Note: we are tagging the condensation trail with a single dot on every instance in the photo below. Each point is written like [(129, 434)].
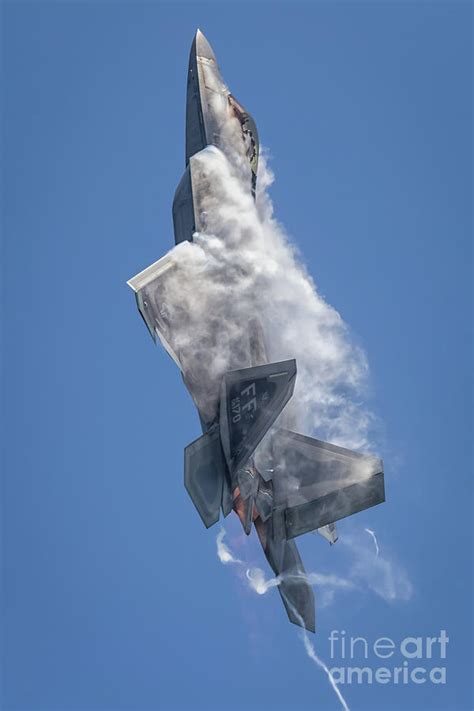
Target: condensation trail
[(311, 652), (224, 553), (260, 585), (372, 533)]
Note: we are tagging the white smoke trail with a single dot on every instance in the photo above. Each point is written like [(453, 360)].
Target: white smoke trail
[(224, 553), (311, 652), (374, 537), (261, 585), (382, 573)]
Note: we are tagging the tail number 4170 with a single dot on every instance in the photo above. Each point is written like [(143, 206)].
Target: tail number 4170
[(245, 403)]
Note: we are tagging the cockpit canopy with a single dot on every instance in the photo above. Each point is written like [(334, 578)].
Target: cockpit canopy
[(249, 134)]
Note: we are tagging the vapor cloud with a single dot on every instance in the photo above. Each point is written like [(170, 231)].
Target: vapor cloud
[(374, 537), (260, 584), (241, 275), (224, 553), (382, 573)]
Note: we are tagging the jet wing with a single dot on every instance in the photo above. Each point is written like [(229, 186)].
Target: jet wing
[(150, 293)]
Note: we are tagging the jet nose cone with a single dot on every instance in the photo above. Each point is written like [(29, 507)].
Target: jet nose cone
[(201, 47)]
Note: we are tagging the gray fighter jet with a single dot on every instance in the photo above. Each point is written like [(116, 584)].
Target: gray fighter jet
[(285, 483)]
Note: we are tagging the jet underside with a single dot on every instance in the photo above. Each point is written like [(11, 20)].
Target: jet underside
[(284, 483)]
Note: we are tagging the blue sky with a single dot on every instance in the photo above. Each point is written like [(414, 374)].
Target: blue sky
[(113, 597)]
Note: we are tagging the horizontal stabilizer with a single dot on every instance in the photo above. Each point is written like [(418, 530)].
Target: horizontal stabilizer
[(316, 483), (205, 477), (251, 400)]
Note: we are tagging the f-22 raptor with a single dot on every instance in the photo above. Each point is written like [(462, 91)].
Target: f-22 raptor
[(285, 483)]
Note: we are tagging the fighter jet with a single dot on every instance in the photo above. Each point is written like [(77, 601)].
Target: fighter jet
[(284, 483)]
